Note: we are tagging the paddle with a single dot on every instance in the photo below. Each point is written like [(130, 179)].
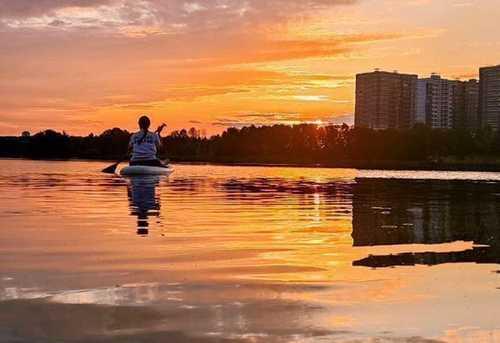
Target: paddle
[(112, 168)]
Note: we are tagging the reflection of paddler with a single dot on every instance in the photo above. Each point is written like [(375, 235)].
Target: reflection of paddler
[(143, 200)]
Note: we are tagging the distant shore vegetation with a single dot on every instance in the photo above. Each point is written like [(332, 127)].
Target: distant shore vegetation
[(307, 144)]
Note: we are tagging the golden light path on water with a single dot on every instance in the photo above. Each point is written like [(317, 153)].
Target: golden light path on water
[(250, 254)]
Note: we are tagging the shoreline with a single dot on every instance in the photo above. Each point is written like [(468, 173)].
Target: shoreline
[(360, 165)]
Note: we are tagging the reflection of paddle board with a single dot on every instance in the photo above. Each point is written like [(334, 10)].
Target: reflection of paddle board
[(145, 170)]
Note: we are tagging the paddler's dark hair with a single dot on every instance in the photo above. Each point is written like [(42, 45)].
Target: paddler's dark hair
[(144, 123)]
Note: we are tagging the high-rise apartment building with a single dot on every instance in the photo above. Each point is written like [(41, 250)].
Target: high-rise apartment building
[(466, 105), (447, 104), (385, 100), (392, 100), (489, 97), (436, 98), (421, 102)]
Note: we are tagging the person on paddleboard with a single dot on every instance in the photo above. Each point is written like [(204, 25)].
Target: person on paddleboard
[(144, 145)]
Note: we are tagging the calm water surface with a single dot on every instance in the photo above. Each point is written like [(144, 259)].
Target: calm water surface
[(247, 254)]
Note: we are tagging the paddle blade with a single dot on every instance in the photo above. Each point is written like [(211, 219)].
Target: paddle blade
[(111, 169)]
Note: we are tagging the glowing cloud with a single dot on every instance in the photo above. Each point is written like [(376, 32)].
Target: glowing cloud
[(86, 65)]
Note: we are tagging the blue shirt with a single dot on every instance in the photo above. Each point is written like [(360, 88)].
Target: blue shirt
[(144, 149)]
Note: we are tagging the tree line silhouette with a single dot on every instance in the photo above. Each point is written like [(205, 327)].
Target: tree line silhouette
[(305, 144)]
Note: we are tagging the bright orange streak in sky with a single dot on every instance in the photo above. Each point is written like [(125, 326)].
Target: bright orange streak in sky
[(212, 64)]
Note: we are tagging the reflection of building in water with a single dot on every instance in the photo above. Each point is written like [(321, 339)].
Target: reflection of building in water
[(143, 200), (387, 212)]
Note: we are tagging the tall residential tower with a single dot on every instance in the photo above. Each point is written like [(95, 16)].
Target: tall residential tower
[(385, 100), (447, 104), (435, 102), (489, 96), (467, 111)]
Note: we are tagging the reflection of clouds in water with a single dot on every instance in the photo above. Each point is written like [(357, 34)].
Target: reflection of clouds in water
[(143, 199), (134, 312), (128, 294), (238, 239), (316, 200)]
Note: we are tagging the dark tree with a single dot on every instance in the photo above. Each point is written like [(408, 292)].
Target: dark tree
[(334, 145)]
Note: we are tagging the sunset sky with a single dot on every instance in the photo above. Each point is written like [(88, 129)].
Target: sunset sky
[(86, 65)]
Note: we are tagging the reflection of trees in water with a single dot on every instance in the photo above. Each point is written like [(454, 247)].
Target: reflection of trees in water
[(187, 185), (474, 255), (143, 200), (387, 212), (271, 187)]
